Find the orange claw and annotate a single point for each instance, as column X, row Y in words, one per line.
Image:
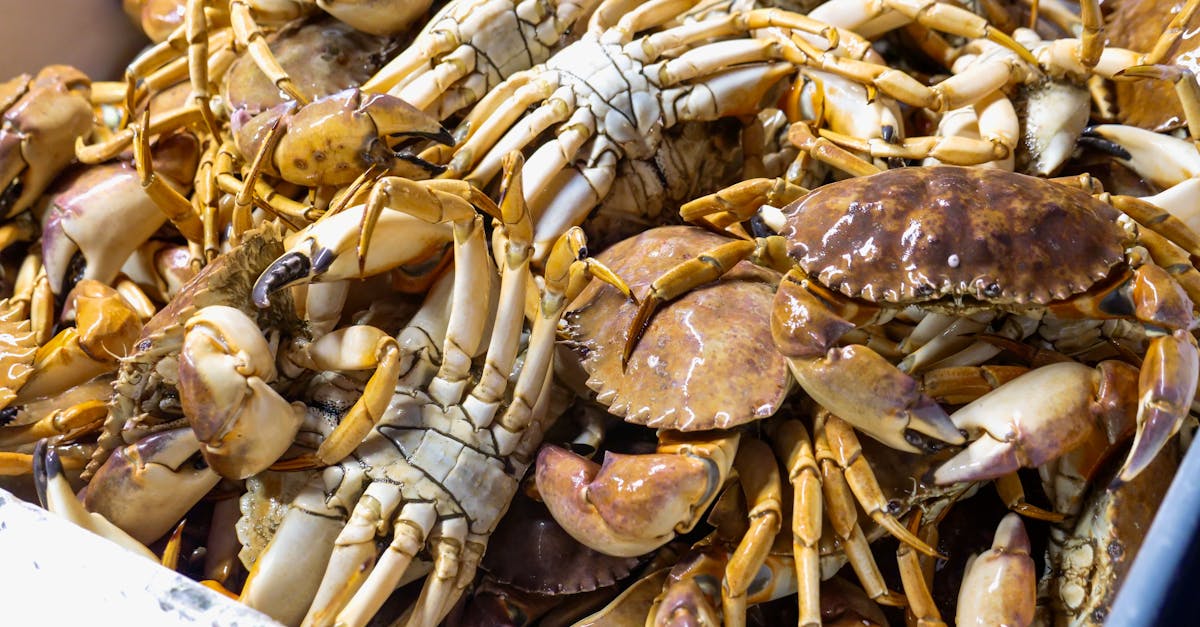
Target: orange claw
column 599, row 507
column 1038, row 417
column 1167, row 386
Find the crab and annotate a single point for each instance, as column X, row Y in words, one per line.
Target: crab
column 603, row 507
column 145, row 400
column 448, row 429
column 841, row 247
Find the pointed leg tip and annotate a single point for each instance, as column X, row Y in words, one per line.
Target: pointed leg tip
column 303, row 462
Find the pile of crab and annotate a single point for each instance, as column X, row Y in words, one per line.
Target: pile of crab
column 611, row 312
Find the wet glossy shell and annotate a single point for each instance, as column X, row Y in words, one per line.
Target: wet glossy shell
column 917, row 235
column 707, row 359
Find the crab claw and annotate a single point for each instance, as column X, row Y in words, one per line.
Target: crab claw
column 999, row 587
column 889, row 407
column 55, row 495
column 41, row 118
column 81, row 212
column 1168, row 385
column 602, row 506
column 146, row 487
column 347, row 130
column 1039, row 416
column 325, row 251
column 224, row 368
column 1157, row 157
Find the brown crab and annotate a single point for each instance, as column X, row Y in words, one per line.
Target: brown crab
column 952, row 240
column 699, row 378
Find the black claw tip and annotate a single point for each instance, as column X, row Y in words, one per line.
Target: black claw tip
column 46, row 465
column 433, row 168
column 443, row 137
column 1106, row 146
column 286, row 270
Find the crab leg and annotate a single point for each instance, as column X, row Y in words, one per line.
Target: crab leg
column 861, row 479
column 914, row 579
column 573, row 193
column 530, row 89
column 455, row 557
column 287, row 575
column 980, row 600
column 250, row 36
column 172, row 203
column 759, row 479
column 843, row 519
column 465, row 331
column 113, row 146
column 566, row 270
column 76, row 419
column 353, row 558
column 793, row 445
column 414, row 523
column 1013, row 494
column 323, row 251
column 958, row 385
column 801, row 136
column 851, row 14
column 15, row 464
column 517, row 231
column 358, row 347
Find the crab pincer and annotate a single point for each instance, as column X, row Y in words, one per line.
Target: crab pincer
column 1000, row 585
column 146, row 487
column 600, row 508
column 858, row 250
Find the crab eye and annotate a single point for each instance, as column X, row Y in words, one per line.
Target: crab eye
column 992, row 290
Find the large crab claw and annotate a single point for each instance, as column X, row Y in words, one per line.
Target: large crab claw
column 81, row 212
column 41, row 118
column 324, row 251
column 224, row 370
column 146, row 487
column 309, row 153
column 605, row 508
column 853, row 382
column 999, row 586
column 1041, row 415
